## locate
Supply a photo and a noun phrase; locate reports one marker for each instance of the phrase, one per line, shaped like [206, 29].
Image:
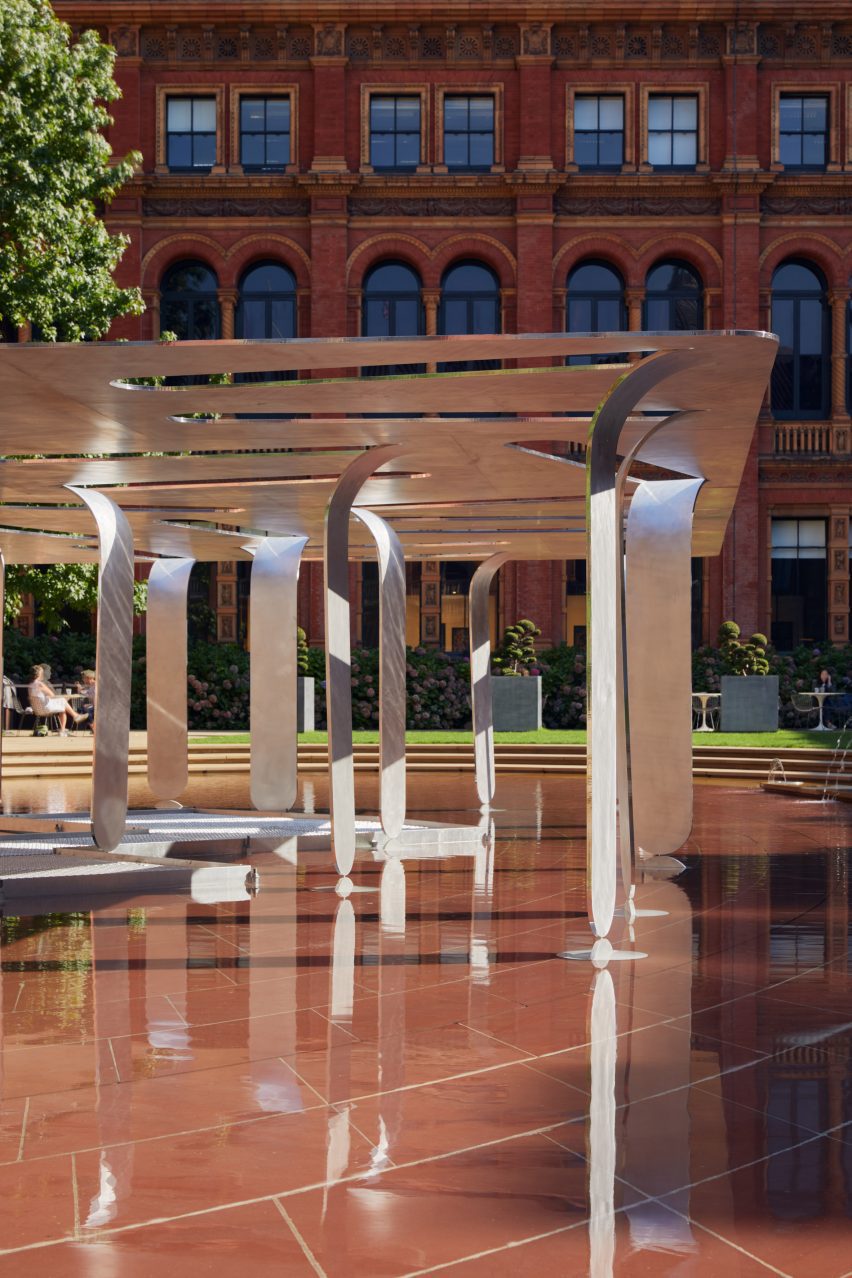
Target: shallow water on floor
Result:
[409, 1079]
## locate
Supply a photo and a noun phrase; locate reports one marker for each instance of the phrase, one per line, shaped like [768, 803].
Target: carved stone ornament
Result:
[536, 40]
[814, 205]
[741, 38]
[636, 206]
[228, 207]
[125, 41]
[329, 41]
[430, 206]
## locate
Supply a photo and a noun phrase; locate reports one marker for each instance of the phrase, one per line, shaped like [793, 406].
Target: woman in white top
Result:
[44, 701]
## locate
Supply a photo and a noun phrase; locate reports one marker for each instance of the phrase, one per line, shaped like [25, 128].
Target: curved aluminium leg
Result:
[338, 657]
[480, 677]
[274, 727]
[2, 662]
[391, 670]
[112, 669]
[168, 768]
[604, 534]
[658, 603]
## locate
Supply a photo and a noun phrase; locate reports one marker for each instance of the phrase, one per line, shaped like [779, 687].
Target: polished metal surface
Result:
[604, 532]
[449, 486]
[392, 662]
[338, 652]
[273, 622]
[480, 677]
[166, 640]
[112, 670]
[659, 657]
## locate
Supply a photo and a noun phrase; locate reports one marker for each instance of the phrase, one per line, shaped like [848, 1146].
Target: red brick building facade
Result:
[701, 155]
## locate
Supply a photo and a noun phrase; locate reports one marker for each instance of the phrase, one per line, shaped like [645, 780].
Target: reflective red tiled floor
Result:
[408, 1081]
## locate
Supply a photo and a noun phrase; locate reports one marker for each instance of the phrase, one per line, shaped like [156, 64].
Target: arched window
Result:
[594, 303]
[392, 307]
[800, 376]
[470, 300]
[674, 298]
[189, 306]
[267, 304]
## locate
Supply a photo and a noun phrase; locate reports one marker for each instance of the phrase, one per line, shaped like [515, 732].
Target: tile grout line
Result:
[352, 1178]
[178, 1012]
[782, 1273]
[494, 1251]
[115, 1061]
[308, 1254]
[75, 1196]
[24, 1117]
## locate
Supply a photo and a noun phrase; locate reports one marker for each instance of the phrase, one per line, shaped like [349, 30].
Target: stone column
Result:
[431, 300]
[840, 424]
[838, 574]
[227, 305]
[430, 604]
[152, 308]
[534, 76]
[329, 89]
[635, 300]
[226, 602]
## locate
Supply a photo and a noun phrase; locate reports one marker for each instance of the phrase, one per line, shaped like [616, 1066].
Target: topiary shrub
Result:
[516, 654]
[747, 658]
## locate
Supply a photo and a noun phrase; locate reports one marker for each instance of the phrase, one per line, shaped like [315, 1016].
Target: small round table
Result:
[820, 698]
[703, 698]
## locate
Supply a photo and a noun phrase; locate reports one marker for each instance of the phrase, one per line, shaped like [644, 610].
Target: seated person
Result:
[88, 689]
[44, 701]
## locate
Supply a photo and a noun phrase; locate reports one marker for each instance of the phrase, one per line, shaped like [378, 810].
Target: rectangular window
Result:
[799, 581]
[803, 131]
[468, 132]
[394, 132]
[599, 131]
[264, 133]
[673, 131]
[190, 133]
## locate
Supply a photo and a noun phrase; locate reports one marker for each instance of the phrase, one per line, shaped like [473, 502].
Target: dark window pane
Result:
[484, 318]
[595, 277]
[579, 315]
[455, 114]
[180, 151]
[377, 314]
[586, 150]
[205, 320]
[455, 150]
[657, 315]
[814, 115]
[608, 315]
[407, 317]
[252, 148]
[174, 318]
[611, 149]
[790, 149]
[813, 150]
[277, 149]
[393, 277]
[381, 150]
[810, 326]
[408, 114]
[251, 114]
[381, 114]
[783, 310]
[810, 383]
[278, 115]
[281, 318]
[254, 319]
[408, 149]
[469, 277]
[790, 114]
[204, 151]
[481, 151]
[482, 114]
[797, 277]
[455, 315]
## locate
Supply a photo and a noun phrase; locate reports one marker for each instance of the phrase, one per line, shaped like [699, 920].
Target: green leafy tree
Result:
[56, 255]
[57, 589]
[302, 651]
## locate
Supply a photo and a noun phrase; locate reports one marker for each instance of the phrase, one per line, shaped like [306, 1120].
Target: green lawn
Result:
[786, 740]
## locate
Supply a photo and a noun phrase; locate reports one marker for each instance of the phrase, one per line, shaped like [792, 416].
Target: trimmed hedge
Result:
[438, 684]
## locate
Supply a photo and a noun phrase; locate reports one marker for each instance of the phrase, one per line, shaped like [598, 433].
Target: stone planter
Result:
[516, 702]
[749, 703]
[305, 704]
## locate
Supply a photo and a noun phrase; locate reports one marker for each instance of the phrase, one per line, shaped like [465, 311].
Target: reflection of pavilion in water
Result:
[153, 978]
